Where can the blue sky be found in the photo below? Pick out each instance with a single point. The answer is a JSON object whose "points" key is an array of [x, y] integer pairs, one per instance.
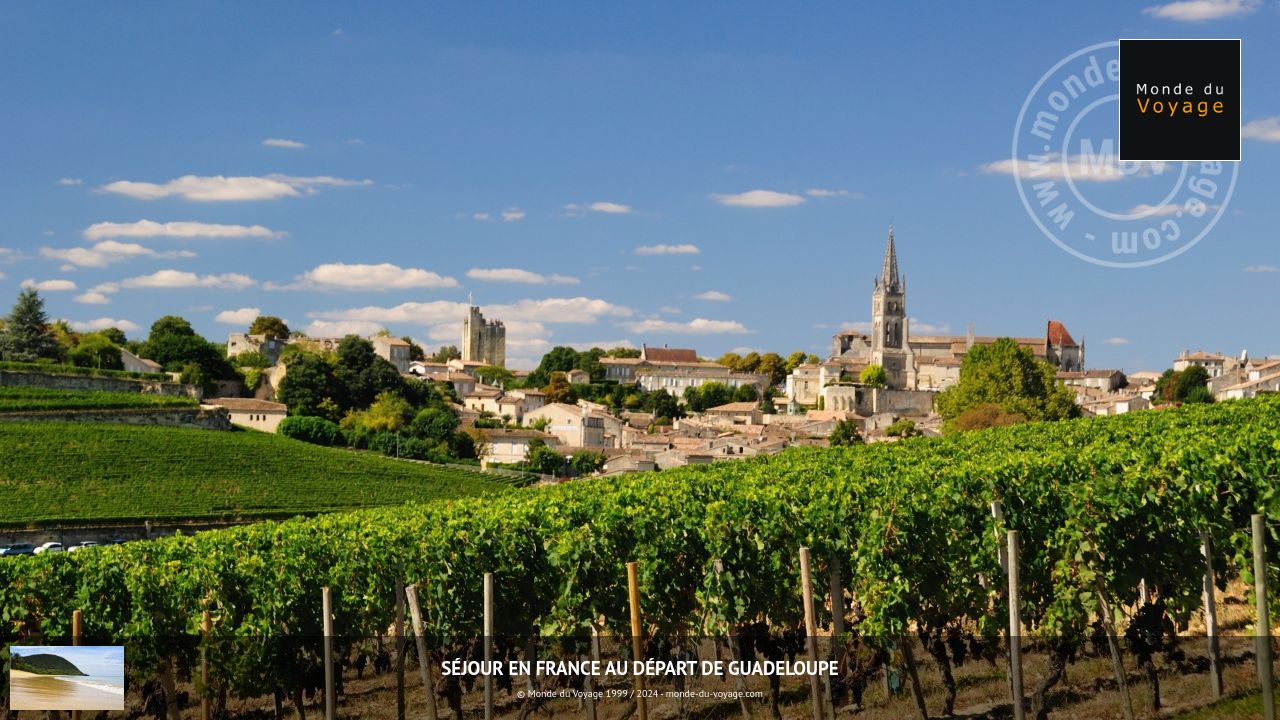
{"points": [[584, 170]]}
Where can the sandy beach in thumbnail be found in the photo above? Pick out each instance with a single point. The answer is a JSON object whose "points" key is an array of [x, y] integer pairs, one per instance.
{"points": [[52, 692]]}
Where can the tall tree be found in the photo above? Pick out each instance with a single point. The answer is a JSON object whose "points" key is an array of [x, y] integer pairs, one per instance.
{"points": [[95, 350], [269, 325], [558, 390], [311, 388], [27, 335], [1010, 377], [364, 373]]}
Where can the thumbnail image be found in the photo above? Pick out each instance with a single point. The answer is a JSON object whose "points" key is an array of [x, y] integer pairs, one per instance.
{"points": [[56, 677]]}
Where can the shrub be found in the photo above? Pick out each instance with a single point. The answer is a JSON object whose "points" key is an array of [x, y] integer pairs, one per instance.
{"points": [[902, 428], [315, 430]]}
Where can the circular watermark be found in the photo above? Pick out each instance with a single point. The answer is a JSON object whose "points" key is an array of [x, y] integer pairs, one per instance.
{"points": [[1067, 168]]}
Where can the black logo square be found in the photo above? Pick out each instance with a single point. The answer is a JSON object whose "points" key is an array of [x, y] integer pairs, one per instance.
{"points": [[1179, 100]]}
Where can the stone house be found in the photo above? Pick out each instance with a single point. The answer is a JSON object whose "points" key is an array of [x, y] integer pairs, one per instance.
{"points": [[510, 447], [247, 412]]}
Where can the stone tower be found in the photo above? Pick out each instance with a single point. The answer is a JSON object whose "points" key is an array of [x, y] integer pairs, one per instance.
{"points": [[483, 340], [889, 347]]}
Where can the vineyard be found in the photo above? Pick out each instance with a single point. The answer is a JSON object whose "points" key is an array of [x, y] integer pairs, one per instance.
{"points": [[26, 399], [63, 473], [76, 370], [1102, 506]]}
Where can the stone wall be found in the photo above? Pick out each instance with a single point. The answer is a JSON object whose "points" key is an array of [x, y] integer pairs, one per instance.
{"points": [[103, 532], [902, 402], [204, 417], [89, 383]]}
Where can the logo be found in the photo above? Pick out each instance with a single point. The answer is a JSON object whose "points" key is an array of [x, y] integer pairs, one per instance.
{"points": [[1067, 168]]}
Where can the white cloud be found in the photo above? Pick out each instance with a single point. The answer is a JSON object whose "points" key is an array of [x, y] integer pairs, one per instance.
{"points": [[713, 296], [283, 143], [70, 181], [354, 141], [1262, 269], [92, 297], [516, 275], [697, 326], [1162, 210], [179, 279], [384, 276], [512, 214], [103, 323], [1197, 10], [603, 344], [9, 255], [610, 207], [825, 193], [219, 188], [341, 328], [1116, 341], [667, 250], [481, 216], [1267, 129], [150, 228], [2, 276], [1080, 168], [758, 199], [49, 285], [243, 316], [575, 310], [670, 310], [107, 252]]}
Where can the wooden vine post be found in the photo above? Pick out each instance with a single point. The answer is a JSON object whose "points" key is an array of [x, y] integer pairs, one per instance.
{"points": [[1211, 616], [206, 629], [835, 594], [77, 636], [1104, 614], [1015, 627], [488, 646], [739, 683], [424, 658], [1263, 630], [400, 650], [330, 699], [637, 638], [811, 632]]}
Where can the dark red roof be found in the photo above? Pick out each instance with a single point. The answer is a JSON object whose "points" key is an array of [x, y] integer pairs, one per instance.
{"points": [[1058, 334], [669, 354]]}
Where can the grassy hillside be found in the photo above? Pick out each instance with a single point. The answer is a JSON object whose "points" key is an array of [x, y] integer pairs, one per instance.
{"points": [[22, 399], [53, 473], [45, 664]]}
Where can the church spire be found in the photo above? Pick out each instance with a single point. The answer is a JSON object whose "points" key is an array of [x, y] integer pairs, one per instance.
{"points": [[889, 278]]}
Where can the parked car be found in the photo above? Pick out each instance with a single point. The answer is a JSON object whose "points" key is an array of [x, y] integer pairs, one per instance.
{"points": [[82, 545], [49, 547], [18, 549]]}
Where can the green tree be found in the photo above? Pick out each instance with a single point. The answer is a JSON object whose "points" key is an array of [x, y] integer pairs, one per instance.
{"points": [[663, 405], [416, 353], [388, 413], [1010, 377], [311, 388], [493, 375], [745, 393], [558, 390], [902, 427], [445, 354], [1192, 386], [586, 462], [434, 423], [774, 366], [709, 395], [95, 350], [115, 335], [269, 325], [27, 335], [175, 345], [845, 433], [795, 360], [873, 376], [542, 459], [364, 374], [251, 359], [559, 359]]}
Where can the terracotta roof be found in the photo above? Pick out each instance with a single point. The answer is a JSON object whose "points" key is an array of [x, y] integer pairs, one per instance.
{"points": [[663, 354], [506, 433], [247, 404], [734, 407], [1058, 334], [1201, 355]]}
